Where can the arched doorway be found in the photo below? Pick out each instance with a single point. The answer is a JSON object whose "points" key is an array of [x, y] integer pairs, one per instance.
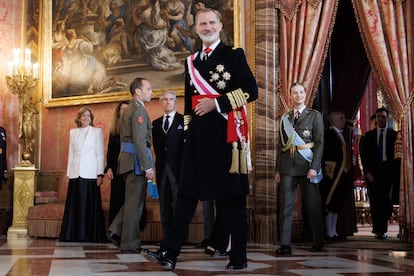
{"points": [[348, 86]]}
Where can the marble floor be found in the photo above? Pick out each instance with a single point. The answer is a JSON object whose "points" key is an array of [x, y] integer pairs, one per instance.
{"points": [[359, 255]]}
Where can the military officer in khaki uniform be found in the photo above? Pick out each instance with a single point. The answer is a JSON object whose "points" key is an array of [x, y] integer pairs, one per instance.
{"points": [[135, 163], [299, 156]]}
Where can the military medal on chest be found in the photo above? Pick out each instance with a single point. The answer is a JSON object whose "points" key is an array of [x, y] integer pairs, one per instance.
{"points": [[306, 133], [220, 76]]}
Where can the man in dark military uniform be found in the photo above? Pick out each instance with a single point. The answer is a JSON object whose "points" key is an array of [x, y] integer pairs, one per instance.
{"points": [[299, 156], [3, 160], [219, 83], [135, 163]]}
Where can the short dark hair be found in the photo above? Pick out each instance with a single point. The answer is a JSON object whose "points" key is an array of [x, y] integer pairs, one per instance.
{"points": [[136, 83], [382, 109]]}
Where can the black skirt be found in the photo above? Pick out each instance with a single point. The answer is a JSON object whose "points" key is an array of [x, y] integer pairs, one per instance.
{"points": [[117, 196], [83, 219]]}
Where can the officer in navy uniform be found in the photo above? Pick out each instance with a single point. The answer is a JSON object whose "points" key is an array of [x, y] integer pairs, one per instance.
{"points": [[214, 99], [3, 160]]}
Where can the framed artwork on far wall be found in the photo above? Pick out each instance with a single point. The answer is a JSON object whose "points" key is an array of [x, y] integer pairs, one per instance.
{"points": [[92, 50]]}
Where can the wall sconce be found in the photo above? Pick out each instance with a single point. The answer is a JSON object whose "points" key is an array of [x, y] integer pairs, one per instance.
{"points": [[22, 76]]}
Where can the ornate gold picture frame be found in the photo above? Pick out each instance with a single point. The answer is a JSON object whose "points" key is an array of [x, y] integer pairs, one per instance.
{"points": [[101, 48]]}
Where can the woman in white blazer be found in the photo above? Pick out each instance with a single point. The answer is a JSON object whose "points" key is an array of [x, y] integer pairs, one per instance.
{"points": [[83, 219]]}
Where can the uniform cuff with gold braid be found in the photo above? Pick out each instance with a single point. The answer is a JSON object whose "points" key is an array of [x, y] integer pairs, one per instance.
{"points": [[187, 119], [237, 98]]}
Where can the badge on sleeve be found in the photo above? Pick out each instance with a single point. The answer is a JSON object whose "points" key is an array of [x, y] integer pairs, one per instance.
{"points": [[140, 120]]}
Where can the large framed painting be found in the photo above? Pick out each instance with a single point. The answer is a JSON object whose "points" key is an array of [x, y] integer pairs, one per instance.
{"points": [[93, 49]]}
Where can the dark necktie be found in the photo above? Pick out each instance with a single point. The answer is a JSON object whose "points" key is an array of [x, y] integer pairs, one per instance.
{"points": [[166, 123], [207, 51], [297, 114], [381, 145]]}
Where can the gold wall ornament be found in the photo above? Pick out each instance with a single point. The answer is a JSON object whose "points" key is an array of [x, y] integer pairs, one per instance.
{"points": [[22, 77]]}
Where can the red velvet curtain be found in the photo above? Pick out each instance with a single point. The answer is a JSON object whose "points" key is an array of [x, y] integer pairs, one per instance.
{"points": [[348, 63]]}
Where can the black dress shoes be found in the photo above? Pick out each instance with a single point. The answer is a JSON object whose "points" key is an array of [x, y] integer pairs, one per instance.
{"points": [[316, 248], [202, 244], [236, 266], [381, 236], [131, 251], [284, 250], [333, 238], [224, 253], [164, 257], [114, 238]]}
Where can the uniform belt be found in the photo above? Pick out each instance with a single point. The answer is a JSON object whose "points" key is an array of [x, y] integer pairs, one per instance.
{"points": [[302, 147]]}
